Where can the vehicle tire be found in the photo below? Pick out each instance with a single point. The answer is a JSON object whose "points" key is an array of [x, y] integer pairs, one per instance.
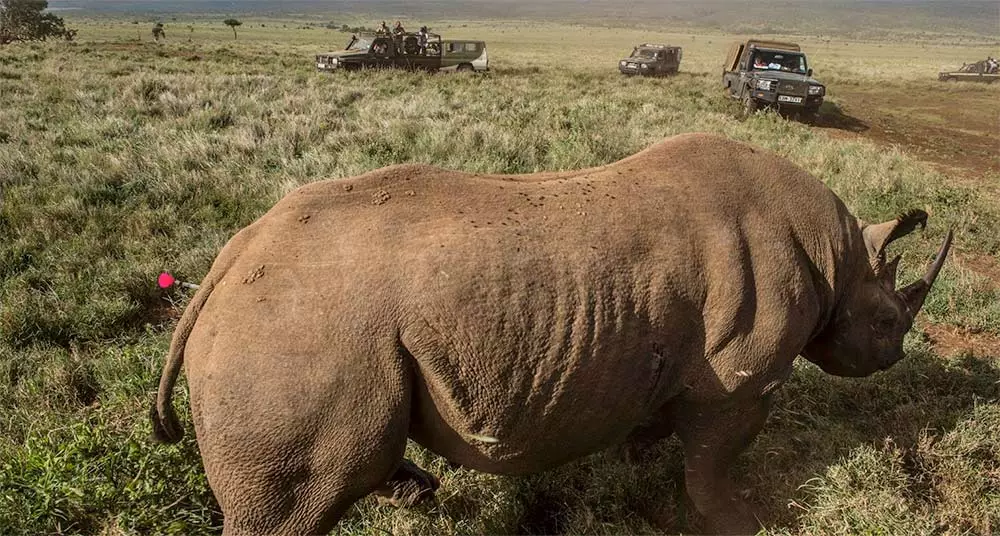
{"points": [[749, 104], [464, 68]]}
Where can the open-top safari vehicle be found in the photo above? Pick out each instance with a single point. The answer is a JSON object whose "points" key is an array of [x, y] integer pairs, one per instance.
{"points": [[412, 51], [771, 74], [981, 71]]}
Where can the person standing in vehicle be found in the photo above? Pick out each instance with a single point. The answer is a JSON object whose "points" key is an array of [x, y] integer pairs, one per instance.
{"points": [[398, 30], [422, 40], [383, 29]]}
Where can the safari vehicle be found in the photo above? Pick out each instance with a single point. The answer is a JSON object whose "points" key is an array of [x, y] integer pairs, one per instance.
{"points": [[651, 60], [407, 51], [771, 74], [980, 71]]}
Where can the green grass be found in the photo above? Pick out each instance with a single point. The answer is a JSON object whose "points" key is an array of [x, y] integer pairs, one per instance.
{"points": [[119, 160]]}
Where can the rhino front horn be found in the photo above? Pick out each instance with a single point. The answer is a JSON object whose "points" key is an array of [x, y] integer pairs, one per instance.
{"points": [[915, 293]]}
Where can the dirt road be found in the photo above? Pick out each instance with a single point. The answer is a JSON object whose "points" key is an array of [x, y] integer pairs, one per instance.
{"points": [[956, 128]]}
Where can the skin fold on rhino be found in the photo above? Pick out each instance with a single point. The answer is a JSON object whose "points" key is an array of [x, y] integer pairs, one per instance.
{"points": [[515, 323]]}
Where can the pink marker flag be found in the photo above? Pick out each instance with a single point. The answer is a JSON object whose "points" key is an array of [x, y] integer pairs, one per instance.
{"points": [[166, 280]]}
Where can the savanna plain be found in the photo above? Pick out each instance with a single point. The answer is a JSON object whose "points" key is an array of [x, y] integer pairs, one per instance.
{"points": [[121, 157]]}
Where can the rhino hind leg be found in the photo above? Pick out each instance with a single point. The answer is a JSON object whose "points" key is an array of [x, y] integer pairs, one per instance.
{"points": [[408, 486], [712, 439], [276, 471]]}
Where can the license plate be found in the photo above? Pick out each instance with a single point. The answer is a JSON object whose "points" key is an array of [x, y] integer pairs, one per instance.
{"points": [[631, 65], [786, 98], [321, 65]]}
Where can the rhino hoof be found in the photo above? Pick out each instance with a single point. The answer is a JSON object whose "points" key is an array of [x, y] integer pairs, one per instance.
{"points": [[409, 486]]}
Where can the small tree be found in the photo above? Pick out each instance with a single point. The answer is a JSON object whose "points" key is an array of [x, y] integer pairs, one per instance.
{"points": [[24, 20], [233, 23]]}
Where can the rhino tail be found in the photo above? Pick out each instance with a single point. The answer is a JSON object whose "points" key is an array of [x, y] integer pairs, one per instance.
{"points": [[166, 427]]}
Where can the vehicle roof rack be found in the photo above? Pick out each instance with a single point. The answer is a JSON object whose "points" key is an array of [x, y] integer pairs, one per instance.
{"points": [[404, 34]]}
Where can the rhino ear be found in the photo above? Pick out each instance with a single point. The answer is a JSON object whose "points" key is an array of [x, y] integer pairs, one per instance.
{"points": [[879, 236]]}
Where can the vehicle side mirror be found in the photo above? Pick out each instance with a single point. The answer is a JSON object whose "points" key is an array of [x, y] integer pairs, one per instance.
{"points": [[809, 72]]}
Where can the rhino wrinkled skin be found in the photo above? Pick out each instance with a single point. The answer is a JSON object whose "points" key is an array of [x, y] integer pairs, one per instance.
{"points": [[515, 323]]}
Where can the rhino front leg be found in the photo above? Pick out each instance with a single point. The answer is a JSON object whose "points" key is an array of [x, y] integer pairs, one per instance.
{"points": [[640, 442], [408, 486], [713, 437]]}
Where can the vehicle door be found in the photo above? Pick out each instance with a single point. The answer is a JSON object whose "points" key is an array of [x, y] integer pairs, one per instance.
{"points": [[382, 53], [430, 58], [426, 57], [671, 62], [731, 77], [410, 55], [451, 53], [660, 61], [746, 72]]}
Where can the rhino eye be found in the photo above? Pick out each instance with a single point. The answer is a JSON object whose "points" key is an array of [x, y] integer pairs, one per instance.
{"points": [[884, 324]]}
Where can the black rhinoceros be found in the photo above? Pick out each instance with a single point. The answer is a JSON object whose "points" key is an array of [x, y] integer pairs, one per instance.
{"points": [[514, 323]]}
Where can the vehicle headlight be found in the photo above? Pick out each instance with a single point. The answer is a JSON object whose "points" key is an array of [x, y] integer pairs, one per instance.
{"points": [[622, 63], [816, 90], [765, 85], [644, 66]]}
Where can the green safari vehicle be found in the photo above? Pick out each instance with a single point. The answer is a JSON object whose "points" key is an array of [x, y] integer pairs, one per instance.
{"points": [[410, 51]]}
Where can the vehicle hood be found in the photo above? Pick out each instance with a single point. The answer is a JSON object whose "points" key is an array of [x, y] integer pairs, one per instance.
{"points": [[967, 72], [787, 77], [638, 61], [343, 53]]}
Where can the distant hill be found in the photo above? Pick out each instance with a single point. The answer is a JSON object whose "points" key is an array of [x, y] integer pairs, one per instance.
{"points": [[858, 18]]}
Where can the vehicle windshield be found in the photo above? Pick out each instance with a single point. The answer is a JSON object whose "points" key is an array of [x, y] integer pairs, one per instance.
{"points": [[644, 53], [360, 44], [764, 60]]}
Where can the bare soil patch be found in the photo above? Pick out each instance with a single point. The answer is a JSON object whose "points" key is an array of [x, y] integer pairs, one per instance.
{"points": [[955, 129], [952, 340], [983, 265]]}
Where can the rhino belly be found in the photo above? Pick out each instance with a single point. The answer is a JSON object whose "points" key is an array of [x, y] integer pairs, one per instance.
{"points": [[510, 418]]}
